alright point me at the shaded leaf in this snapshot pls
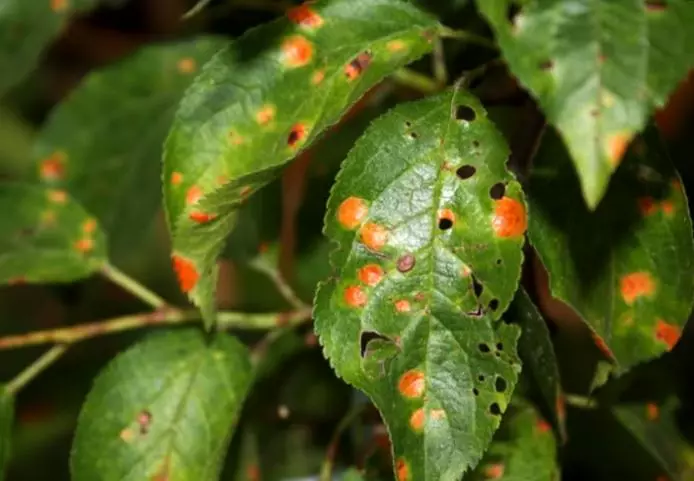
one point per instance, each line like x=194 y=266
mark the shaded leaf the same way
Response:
x=430 y=226
x=260 y=102
x=103 y=143
x=625 y=268
x=164 y=409
x=6 y=418
x=536 y=351
x=598 y=69
x=26 y=28
x=47 y=236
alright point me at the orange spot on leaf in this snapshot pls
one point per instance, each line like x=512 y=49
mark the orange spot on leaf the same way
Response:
x=402 y=470
x=303 y=15
x=647 y=206
x=652 y=411
x=668 y=207
x=193 y=195
x=371 y=274
x=186 y=272
x=374 y=236
x=84 y=245
x=352 y=212
x=89 y=226
x=403 y=305
x=53 y=167
x=510 y=219
x=617 y=146
x=543 y=426
x=201 y=217
x=494 y=471
x=253 y=472
x=446 y=214
x=396 y=46
x=417 y=420
x=186 y=65
x=57 y=196
x=176 y=178
x=667 y=333
x=636 y=285
x=296 y=135
x=265 y=115
x=296 y=51
x=127 y=435
x=59 y=5
x=355 y=296
x=317 y=77
x=412 y=384
x=355 y=68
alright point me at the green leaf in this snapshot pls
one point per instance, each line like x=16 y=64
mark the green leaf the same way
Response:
x=523 y=450
x=260 y=102
x=164 y=409
x=6 y=419
x=103 y=143
x=26 y=28
x=598 y=69
x=625 y=268
x=430 y=227
x=46 y=236
x=537 y=354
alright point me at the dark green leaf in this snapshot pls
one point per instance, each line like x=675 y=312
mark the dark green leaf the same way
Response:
x=261 y=101
x=537 y=354
x=598 y=68
x=6 y=418
x=46 y=236
x=26 y=28
x=625 y=268
x=103 y=143
x=165 y=409
x=430 y=226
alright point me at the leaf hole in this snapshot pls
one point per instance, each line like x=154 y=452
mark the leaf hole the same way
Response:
x=499 y=262
x=495 y=409
x=463 y=112
x=475 y=391
x=500 y=384
x=445 y=224
x=484 y=348
x=475 y=143
x=481 y=378
x=367 y=337
x=413 y=135
x=494 y=304
x=465 y=172
x=497 y=191
x=408 y=124
x=477 y=287
x=499 y=346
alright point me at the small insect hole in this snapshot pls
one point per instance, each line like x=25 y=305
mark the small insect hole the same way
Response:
x=483 y=347
x=413 y=135
x=495 y=409
x=475 y=391
x=499 y=262
x=408 y=124
x=500 y=384
x=499 y=346
x=475 y=143
x=465 y=172
x=477 y=287
x=494 y=304
x=480 y=378
x=463 y=112
x=497 y=191
x=445 y=224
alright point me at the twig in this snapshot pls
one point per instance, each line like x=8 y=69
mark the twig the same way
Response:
x=439 y=63
x=131 y=285
x=280 y=283
x=581 y=402
x=416 y=81
x=326 y=471
x=469 y=37
x=36 y=368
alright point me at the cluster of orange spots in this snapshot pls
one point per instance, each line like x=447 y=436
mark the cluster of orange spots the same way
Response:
x=265 y=115
x=297 y=134
x=403 y=305
x=636 y=285
x=648 y=206
x=402 y=470
x=412 y=384
x=355 y=296
x=602 y=345
x=371 y=274
x=186 y=272
x=652 y=411
x=617 y=146
x=510 y=218
x=494 y=471
x=355 y=68
x=417 y=420
x=667 y=333
x=186 y=65
x=59 y=5
x=317 y=77
x=303 y=15
x=57 y=196
x=395 y=46
x=352 y=212
x=296 y=51
x=52 y=168
x=374 y=236
x=176 y=178
x=543 y=426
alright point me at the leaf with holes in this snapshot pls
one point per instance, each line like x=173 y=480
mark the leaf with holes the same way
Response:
x=524 y=449
x=263 y=99
x=539 y=361
x=26 y=28
x=6 y=418
x=625 y=268
x=430 y=226
x=164 y=409
x=598 y=69
x=47 y=236
x=103 y=143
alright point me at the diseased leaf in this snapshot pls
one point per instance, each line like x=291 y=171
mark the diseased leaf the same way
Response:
x=260 y=102
x=26 y=28
x=598 y=69
x=524 y=449
x=164 y=409
x=6 y=418
x=46 y=236
x=537 y=354
x=103 y=143
x=430 y=226
x=625 y=268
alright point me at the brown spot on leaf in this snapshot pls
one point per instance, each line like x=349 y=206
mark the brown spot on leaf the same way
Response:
x=296 y=51
x=186 y=272
x=265 y=115
x=667 y=333
x=53 y=167
x=402 y=470
x=617 y=146
x=636 y=285
x=412 y=384
x=510 y=219
x=253 y=472
x=647 y=206
x=303 y=15
x=371 y=274
x=187 y=65
x=446 y=219
x=403 y=305
x=355 y=68
x=352 y=212
x=543 y=426
x=417 y=420
x=296 y=135
x=406 y=263
x=144 y=420
x=355 y=296
x=374 y=236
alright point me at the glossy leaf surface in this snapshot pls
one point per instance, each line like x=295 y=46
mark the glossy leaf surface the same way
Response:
x=6 y=419
x=598 y=68
x=625 y=268
x=47 y=236
x=430 y=226
x=26 y=28
x=164 y=409
x=103 y=143
x=260 y=102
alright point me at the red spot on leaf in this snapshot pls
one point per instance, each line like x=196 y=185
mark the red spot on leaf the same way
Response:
x=647 y=206
x=355 y=68
x=297 y=134
x=494 y=471
x=417 y=420
x=403 y=305
x=53 y=167
x=297 y=51
x=617 y=146
x=355 y=296
x=543 y=426
x=412 y=384
x=201 y=217
x=371 y=274
x=176 y=178
x=636 y=285
x=652 y=411
x=602 y=345
x=352 y=212
x=402 y=470
x=667 y=333
x=510 y=219
x=186 y=272
x=303 y=15
x=374 y=236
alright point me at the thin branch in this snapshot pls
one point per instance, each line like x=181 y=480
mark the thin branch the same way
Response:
x=326 y=471
x=280 y=283
x=416 y=81
x=469 y=37
x=131 y=285
x=439 y=63
x=36 y=368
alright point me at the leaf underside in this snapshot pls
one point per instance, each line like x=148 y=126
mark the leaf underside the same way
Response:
x=47 y=236
x=626 y=267
x=411 y=313
x=259 y=102
x=597 y=67
x=164 y=409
